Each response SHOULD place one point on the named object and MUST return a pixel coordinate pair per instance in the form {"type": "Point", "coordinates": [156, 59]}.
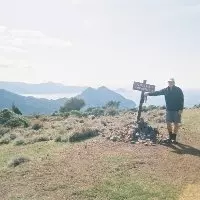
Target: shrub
{"type": "Point", "coordinates": [37, 126]}
{"type": "Point", "coordinates": [16, 122]}
{"type": "Point", "coordinates": [76, 113]}
{"type": "Point", "coordinates": [83, 134]}
{"type": "Point", "coordinates": [10, 119]}
{"type": "Point", "coordinates": [19, 142]}
{"type": "Point", "coordinates": [54, 114]}
{"type": "Point", "coordinates": [97, 112]}
{"type": "Point", "coordinates": [152, 107]}
{"type": "Point", "coordinates": [58, 139]}
{"type": "Point", "coordinates": [16, 110]}
{"type": "Point", "coordinates": [37, 116]}
{"type": "Point", "coordinates": [5, 140]}
{"type": "Point", "coordinates": [18, 161]}
{"type": "Point", "coordinates": [113, 104]}
{"type": "Point", "coordinates": [63, 138]}
{"type": "Point", "coordinates": [197, 106]}
{"type": "Point", "coordinates": [111, 112]}
{"type": "Point", "coordinates": [40, 139]}
{"type": "Point", "coordinates": [72, 104]}
{"type": "Point", "coordinates": [13, 136]}
{"type": "Point", "coordinates": [65, 114]}
{"type": "Point", "coordinates": [3, 131]}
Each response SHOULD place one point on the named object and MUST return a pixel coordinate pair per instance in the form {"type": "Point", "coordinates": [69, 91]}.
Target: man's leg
{"type": "Point", "coordinates": [176, 128]}
{"type": "Point", "coordinates": [177, 121]}
{"type": "Point", "coordinates": [169, 128]}
{"type": "Point", "coordinates": [169, 119]}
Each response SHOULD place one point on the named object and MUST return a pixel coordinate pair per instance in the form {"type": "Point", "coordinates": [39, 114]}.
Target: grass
{"type": "Point", "coordinates": [82, 134]}
{"type": "Point", "coordinates": [18, 161]}
{"type": "Point", "coordinates": [100, 169]}
{"type": "Point", "coordinates": [119, 188]}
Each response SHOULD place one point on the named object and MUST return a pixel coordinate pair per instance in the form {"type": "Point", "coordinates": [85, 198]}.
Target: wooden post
{"type": "Point", "coordinates": [141, 103]}
{"type": "Point", "coordinates": [143, 87]}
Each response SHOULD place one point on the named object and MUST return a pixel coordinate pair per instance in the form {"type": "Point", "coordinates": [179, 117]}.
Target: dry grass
{"type": "Point", "coordinates": [101, 169]}
{"type": "Point", "coordinates": [17, 161]}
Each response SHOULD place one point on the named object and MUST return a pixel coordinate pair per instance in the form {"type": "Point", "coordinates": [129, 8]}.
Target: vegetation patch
{"type": "Point", "coordinates": [18, 161]}
{"type": "Point", "coordinates": [19, 142]}
{"type": "Point", "coordinates": [5, 140]}
{"type": "Point", "coordinates": [83, 134]}
{"type": "Point", "coordinates": [3, 131]}
{"type": "Point", "coordinates": [10, 119]}
{"type": "Point", "coordinates": [39, 139]}
{"type": "Point", "coordinates": [37, 126]}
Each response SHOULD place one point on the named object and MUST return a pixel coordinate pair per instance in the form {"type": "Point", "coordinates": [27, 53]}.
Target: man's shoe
{"type": "Point", "coordinates": [168, 140]}
{"type": "Point", "coordinates": [174, 139]}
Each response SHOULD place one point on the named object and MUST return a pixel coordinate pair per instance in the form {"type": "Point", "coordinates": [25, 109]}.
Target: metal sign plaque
{"type": "Point", "coordinates": [143, 87]}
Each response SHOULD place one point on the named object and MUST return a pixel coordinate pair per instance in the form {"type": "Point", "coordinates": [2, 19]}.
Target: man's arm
{"type": "Point", "coordinates": [157, 93]}
{"type": "Point", "coordinates": [181, 100]}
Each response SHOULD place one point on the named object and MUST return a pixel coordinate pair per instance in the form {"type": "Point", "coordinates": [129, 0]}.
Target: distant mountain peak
{"type": "Point", "coordinates": [102, 95]}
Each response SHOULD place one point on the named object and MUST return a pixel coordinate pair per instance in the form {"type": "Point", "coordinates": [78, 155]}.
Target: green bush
{"type": "Point", "coordinates": [40, 139]}
{"type": "Point", "coordinates": [10, 119]}
{"type": "Point", "coordinates": [97, 112]}
{"type": "Point", "coordinates": [17, 161]}
{"type": "Point", "coordinates": [5, 140]}
{"type": "Point", "coordinates": [111, 112]}
{"type": "Point", "coordinates": [83, 134]}
{"type": "Point", "coordinates": [76, 113]}
{"type": "Point", "coordinates": [58, 139]}
{"type": "Point", "coordinates": [72, 104]}
{"type": "Point", "coordinates": [19, 142]}
{"type": "Point", "coordinates": [13, 136]}
{"type": "Point", "coordinates": [3, 131]}
{"type": "Point", "coordinates": [16, 110]}
{"type": "Point", "coordinates": [113, 104]}
{"type": "Point", "coordinates": [63, 139]}
{"type": "Point", "coordinates": [37, 126]}
{"type": "Point", "coordinates": [197, 106]}
{"type": "Point", "coordinates": [16, 122]}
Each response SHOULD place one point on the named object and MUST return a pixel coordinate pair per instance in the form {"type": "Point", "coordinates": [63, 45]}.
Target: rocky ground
{"type": "Point", "coordinates": [108, 166]}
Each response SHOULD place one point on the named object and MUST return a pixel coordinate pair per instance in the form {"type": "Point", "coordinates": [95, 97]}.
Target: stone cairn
{"type": "Point", "coordinates": [145, 134]}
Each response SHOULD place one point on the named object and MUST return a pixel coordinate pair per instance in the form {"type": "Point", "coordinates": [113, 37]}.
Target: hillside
{"type": "Point", "coordinates": [42, 88]}
{"type": "Point", "coordinates": [100, 96]}
{"type": "Point", "coordinates": [99, 169]}
{"type": "Point", "coordinates": [29, 105]}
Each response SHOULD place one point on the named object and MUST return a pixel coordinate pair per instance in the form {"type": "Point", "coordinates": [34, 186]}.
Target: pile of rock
{"type": "Point", "coordinates": [135, 133]}
{"type": "Point", "coordinates": [144, 133]}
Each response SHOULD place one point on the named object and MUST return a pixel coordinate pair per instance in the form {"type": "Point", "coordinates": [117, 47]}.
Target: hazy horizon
{"type": "Point", "coordinates": [95, 43]}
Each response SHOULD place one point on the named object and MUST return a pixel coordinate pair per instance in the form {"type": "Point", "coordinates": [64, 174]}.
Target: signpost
{"type": "Point", "coordinates": [143, 87]}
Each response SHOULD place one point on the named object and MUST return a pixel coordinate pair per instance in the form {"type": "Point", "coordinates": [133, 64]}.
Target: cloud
{"type": "Point", "coordinates": [9, 49]}
{"type": "Point", "coordinates": [22, 40]}
{"type": "Point", "coordinates": [2, 29]}
{"type": "Point", "coordinates": [76, 2]}
{"type": "Point", "coordinates": [26, 34]}
{"type": "Point", "coordinates": [4, 66]}
{"type": "Point", "coordinates": [87, 23]}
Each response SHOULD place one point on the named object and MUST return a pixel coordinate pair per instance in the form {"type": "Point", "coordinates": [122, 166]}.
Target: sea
{"type": "Point", "coordinates": [52, 96]}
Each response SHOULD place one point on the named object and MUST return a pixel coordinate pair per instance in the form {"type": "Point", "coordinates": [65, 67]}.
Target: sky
{"type": "Point", "coordinates": [100, 42]}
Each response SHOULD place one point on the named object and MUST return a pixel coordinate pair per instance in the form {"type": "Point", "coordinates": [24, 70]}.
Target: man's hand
{"type": "Point", "coordinates": [180, 112]}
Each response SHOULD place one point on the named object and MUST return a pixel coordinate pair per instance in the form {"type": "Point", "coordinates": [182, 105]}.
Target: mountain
{"type": "Point", "coordinates": [29, 105]}
{"type": "Point", "coordinates": [42, 88]}
{"type": "Point", "coordinates": [192, 97]}
{"type": "Point", "coordinates": [99, 97]}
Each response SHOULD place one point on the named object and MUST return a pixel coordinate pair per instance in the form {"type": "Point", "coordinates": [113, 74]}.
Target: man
{"type": "Point", "coordinates": [174, 105]}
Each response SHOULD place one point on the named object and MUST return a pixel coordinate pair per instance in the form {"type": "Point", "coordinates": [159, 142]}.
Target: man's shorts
{"type": "Point", "coordinates": [173, 117]}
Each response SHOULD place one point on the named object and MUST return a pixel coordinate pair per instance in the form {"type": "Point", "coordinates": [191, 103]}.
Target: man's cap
{"type": "Point", "coordinates": [171, 80]}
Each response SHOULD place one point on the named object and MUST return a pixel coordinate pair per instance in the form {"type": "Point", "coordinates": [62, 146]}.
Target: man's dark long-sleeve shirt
{"type": "Point", "coordinates": [173, 96]}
